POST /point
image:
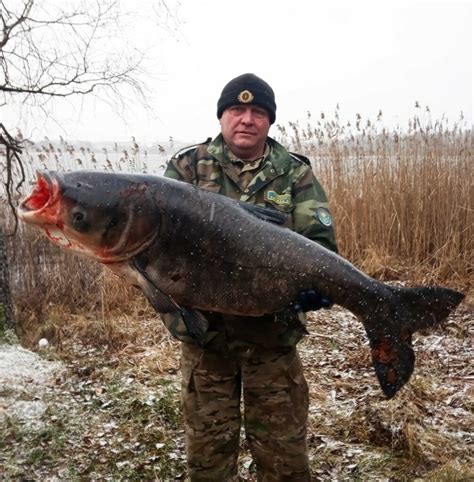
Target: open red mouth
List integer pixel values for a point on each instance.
(42, 205)
(39, 197)
(43, 209)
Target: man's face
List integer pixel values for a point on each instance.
(245, 129)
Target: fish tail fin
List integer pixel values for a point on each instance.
(427, 306)
(390, 331)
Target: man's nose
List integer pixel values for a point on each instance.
(247, 116)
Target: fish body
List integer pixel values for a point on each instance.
(190, 250)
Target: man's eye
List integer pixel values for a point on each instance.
(259, 113)
(236, 110)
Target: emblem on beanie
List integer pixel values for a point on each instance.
(245, 97)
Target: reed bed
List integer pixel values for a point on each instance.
(403, 209)
(401, 199)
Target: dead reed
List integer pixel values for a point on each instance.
(402, 200)
(402, 203)
(403, 208)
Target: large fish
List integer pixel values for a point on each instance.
(189, 249)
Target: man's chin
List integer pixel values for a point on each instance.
(245, 140)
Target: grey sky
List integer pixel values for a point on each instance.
(365, 56)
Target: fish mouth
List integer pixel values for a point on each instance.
(47, 208)
(37, 207)
(42, 208)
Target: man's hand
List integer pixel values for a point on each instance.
(309, 300)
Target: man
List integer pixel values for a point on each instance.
(257, 358)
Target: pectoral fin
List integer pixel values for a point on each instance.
(196, 324)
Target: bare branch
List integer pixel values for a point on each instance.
(51, 49)
(13, 151)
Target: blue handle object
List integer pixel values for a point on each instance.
(310, 300)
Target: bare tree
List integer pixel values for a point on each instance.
(12, 152)
(55, 49)
(51, 49)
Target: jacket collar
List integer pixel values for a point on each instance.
(279, 158)
(277, 163)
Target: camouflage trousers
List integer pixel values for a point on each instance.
(275, 399)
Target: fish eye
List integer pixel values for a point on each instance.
(78, 216)
(79, 219)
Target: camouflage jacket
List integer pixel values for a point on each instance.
(284, 181)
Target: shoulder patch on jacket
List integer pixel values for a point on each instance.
(300, 158)
(186, 149)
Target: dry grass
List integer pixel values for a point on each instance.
(403, 209)
(426, 428)
(115, 414)
(402, 203)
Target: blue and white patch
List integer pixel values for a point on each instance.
(324, 217)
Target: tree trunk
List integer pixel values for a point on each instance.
(13, 152)
(6, 306)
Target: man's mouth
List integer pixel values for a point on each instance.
(245, 133)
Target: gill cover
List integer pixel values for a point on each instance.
(100, 214)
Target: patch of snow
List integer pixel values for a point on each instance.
(24, 379)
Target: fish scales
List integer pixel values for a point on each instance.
(191, 250)
(240, 252)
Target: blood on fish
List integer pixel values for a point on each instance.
(392, 376)
(383, 352)
(40, 196)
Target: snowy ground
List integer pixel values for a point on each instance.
(114, 415)
(25, 377)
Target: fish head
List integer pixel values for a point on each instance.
(106, 216)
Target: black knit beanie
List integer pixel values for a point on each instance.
(247, 89)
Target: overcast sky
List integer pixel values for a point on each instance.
(364, 55)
